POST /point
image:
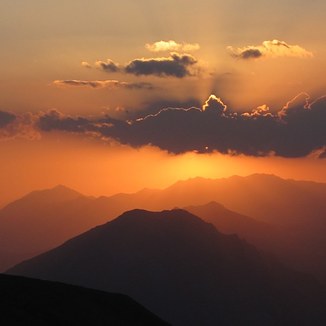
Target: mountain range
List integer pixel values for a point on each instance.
(284, 217)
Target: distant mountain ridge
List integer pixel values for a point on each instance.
(45, 219)
(185, 271)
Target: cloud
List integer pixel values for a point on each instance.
(271, 49)
(177, 65)
(108, 66)
(153, 105)
(55, 120)
(109, 84)
(297, 130)
(86, 64)
(171, 46)
(250, 53)
(214, 105)
(6, 118)
(323, 154)
(18, 126)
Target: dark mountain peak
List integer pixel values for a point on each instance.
(172, 218)
(173, 213)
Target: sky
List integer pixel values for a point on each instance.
(115, 96)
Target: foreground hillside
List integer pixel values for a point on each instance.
(25, 301)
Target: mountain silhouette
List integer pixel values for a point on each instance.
(27, 301)
(183, 270)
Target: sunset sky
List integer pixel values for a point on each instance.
(114, 96)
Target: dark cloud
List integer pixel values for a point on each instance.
(295, 131)
(18, 126)
(108, 65)
(176, 65)
(6, 118)
(250, 54)
(55, 120)
(110, 84)
(322, 155)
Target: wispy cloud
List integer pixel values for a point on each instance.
(271, 49)
(109, 84)
(85, 64)
(172, 46)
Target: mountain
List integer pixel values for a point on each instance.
(295, 209)
(27, 301)
(267, 198)
(46, 218)
(264, 197)
(268, 237)
(259, 233)
(185, 271)
(43, 220)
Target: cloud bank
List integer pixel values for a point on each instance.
(296, 130)
(272, 49)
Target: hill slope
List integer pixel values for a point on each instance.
(26, 301)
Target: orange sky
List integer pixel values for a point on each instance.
(249, 54)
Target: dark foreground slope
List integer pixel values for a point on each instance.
(185, 271)
(25, 301)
